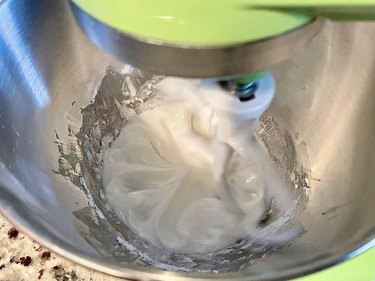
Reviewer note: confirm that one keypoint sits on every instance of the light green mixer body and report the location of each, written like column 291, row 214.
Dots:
column 211, row 38
column 209, row 22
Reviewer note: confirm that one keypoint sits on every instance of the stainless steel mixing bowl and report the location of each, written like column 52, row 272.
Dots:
column 321, row 127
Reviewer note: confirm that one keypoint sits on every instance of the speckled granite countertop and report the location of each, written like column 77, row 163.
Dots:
column 22, row 259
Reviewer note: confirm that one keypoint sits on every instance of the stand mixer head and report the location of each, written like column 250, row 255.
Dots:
column 207, row 39
column 195, row 39
column 231, row 41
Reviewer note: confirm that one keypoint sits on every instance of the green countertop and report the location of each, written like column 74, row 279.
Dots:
column 361, row 268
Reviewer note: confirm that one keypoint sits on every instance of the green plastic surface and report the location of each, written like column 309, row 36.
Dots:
column 310, row 3
column 215, row 22
column 253, row 77
column 193, row 22
column 361, row 268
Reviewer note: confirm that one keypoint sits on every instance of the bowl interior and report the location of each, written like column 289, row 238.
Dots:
column 58, row 112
